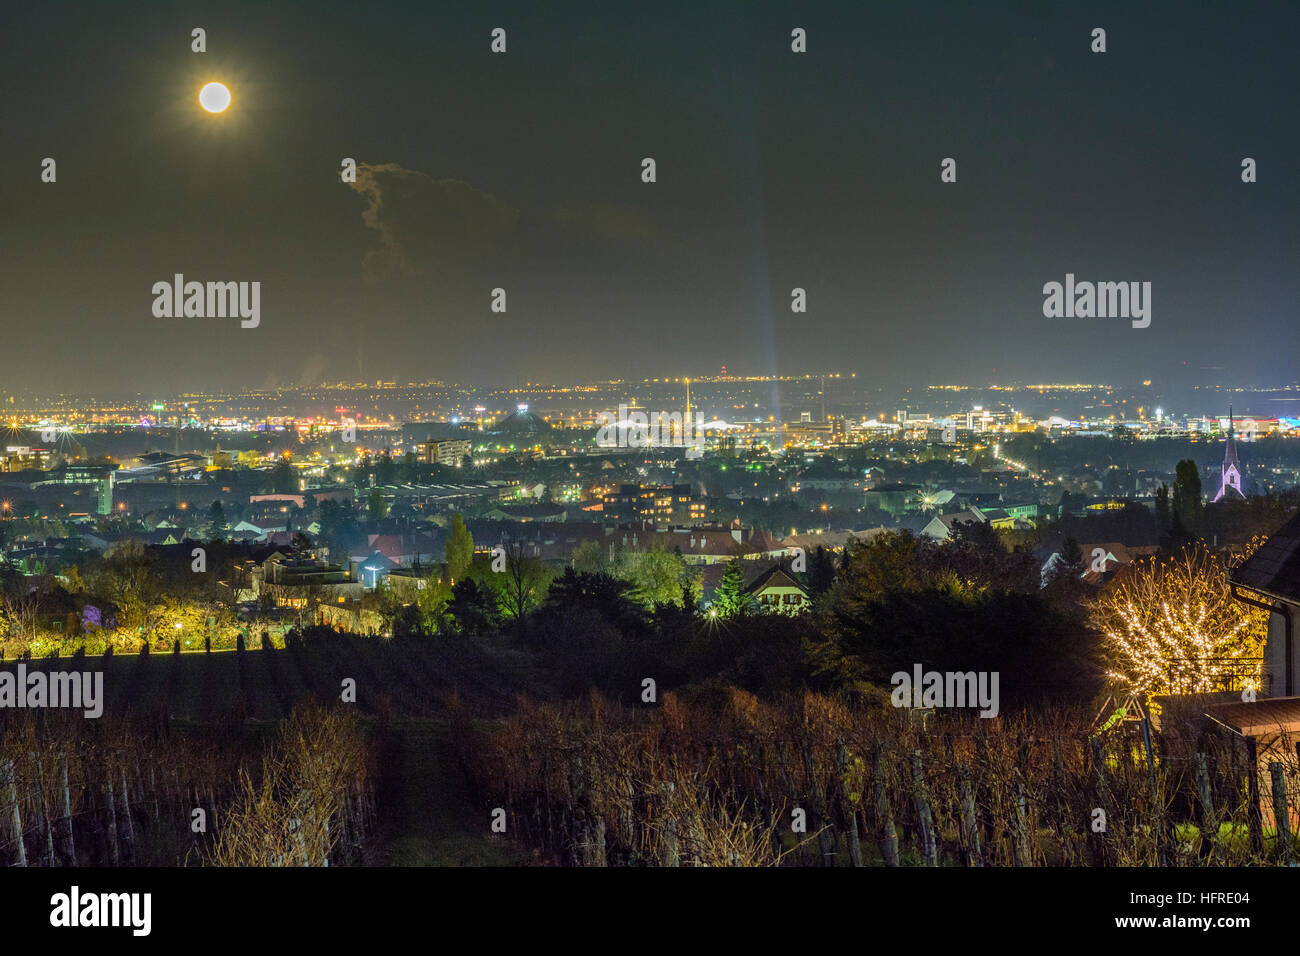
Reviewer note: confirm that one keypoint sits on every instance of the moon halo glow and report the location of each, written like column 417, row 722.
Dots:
column 214, row 97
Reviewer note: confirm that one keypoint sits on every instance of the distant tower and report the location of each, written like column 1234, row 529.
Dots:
column 1230, row 487
column 685, row 428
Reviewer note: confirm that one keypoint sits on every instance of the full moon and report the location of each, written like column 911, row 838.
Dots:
column 214, row 97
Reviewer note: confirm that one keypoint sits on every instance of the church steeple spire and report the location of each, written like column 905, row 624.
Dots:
column 1230, row 486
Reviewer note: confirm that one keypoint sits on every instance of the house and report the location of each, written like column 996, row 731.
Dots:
column 1004, row 520
column 1100, row 561
column 305, row 499
column 259, row 527
column 936, row 500
column 1270, row 579
column 515, row 490
column 549, row 541
column 407, row 583
column 777, row 592
column 943, row 527
column 402, row 549
column 754, row 572
column 979, row 499
column 895, row 498
column 296, row 582
column 350, row 616
column 99, row 540
column 709, row 545
column 830, row 540
column 551, row 513
column 374, row 568
column 155, row 520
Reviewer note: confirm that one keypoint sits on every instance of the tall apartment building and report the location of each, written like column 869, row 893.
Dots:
column 446, row 452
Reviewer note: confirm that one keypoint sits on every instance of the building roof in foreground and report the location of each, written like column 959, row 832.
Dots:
column 1274, row 570
column 1270, row 715
column 775, row 576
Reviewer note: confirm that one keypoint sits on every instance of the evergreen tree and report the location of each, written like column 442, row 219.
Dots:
column 216, row 521
column 821, row 572
column 376, row 507
column 283, row 480
column 300, row 544
column 732, row 597
column 474, row 609
column 1187, row 504
column 1162, row 509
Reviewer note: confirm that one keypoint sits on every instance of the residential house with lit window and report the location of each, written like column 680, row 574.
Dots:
column 777, row 592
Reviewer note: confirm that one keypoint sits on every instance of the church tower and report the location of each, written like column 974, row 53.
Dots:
column 1230, row 487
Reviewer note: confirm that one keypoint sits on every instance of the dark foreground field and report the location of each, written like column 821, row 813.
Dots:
column 287, row 767
column 177, row 729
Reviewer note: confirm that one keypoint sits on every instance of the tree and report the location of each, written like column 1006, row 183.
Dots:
column 460, row 549
column 300, row 544
column 873, row 568
column 592, row 557
column 401, row 619
column 980, row 535
column 19, row 614
column 216, row 521
column 1163, row 521
column 1172, row 626
column 522, row 584
column 385, row 470
column 732, row 598
column 376, row 506
column 1067, row 504
column 283, row 480
column 1071, row 554
column 612, row 598
column 594, row 634
column 1187, row 503
column 821, row 572
column 131, row 578
column 472, row 608
column 656, row 575
column 432, row 602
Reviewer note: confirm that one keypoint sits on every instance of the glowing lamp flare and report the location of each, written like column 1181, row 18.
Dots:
column 214, row 97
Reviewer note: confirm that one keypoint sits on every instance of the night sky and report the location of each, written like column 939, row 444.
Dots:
column 522, row 171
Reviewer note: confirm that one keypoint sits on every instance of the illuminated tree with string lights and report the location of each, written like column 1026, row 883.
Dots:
column 1172, row 626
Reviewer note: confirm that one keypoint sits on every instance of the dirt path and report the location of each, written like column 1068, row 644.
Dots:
column 431, row 817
